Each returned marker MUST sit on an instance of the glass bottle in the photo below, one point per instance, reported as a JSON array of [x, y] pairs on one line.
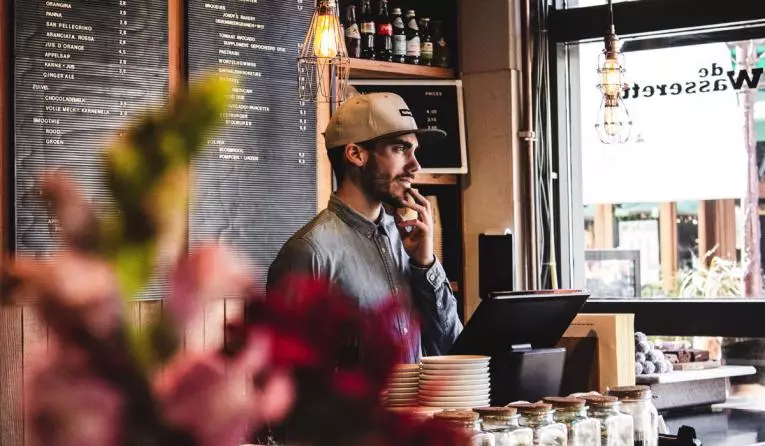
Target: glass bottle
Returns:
[[352, 32], [399, 37], [637, 401], [616, 428], [426, 43], [539, 417], [441, 56], [502, 422], [384, 36], [367, 30], [582, 430], [413, 47], [467, 421]]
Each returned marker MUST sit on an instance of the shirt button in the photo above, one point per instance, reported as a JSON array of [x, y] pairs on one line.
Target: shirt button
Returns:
[[406, 330], [383, 250], [432, 277], [439, 304]]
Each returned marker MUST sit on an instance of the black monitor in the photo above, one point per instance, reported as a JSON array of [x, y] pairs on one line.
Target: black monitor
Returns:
[[511, 318]]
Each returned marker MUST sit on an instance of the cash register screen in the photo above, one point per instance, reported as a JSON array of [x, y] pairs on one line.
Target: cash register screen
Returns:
[[507, 319]]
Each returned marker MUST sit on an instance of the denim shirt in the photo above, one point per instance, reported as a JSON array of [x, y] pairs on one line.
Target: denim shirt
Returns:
[[368, 261]]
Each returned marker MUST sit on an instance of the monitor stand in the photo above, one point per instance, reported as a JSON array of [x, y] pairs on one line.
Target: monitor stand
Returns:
[[526, 374]]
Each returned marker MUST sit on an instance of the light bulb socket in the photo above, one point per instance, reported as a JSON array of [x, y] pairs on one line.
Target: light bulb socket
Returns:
[[326, 7]]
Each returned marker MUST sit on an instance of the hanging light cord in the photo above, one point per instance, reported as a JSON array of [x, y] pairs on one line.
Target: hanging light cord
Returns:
[[610, 14]]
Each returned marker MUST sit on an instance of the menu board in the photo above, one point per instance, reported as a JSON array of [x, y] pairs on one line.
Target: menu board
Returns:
[[434, 104], [255, 184], [82, 70]]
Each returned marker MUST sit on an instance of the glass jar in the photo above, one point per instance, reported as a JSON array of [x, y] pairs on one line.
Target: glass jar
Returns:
[[616, 428], [502, 422], [637, 401], [467, 422], [539, 417], [582, 430]]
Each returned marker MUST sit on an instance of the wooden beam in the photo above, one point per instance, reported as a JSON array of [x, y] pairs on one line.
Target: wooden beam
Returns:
[[603, 226], [323, 166], [435, 179], [175, 41], [668, 245], [717, 228], [372, 69]]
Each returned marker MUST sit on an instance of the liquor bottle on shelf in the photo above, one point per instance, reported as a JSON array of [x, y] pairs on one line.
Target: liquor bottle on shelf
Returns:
[[367, 30], [399, 37], [426, 43], [384, 37], [441, 55], [352, 32], [413, 48]]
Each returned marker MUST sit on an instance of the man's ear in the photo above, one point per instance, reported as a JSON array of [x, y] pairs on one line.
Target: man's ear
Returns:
[[356, 155]]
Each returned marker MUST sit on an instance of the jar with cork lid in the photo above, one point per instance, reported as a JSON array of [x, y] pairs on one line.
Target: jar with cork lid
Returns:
[[539, 417], [637, 401], [582, 430], [468, 423], [616, 428], [502, 422]]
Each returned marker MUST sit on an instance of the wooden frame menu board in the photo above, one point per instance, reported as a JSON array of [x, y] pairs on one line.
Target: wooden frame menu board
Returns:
[[81, 71], [255, 185], [434, 104]]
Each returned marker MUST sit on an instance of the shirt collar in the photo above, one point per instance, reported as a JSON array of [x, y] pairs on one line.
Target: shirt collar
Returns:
[[357, 221]]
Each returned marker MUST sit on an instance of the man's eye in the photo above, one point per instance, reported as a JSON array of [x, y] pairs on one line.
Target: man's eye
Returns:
[[400, 149]]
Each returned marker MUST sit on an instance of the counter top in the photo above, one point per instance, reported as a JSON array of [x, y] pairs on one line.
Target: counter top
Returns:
[[722, 426]]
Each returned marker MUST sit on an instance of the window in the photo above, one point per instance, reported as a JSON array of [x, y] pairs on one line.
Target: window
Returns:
[[563, 4], [676, 193], [639, 219]]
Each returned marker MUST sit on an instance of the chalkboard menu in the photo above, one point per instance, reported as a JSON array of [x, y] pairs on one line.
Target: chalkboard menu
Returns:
[[434, 104], [255, 184], [82, 70]]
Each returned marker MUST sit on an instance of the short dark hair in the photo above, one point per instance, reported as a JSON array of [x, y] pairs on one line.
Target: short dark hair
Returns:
[[337, 158], [337, 161]]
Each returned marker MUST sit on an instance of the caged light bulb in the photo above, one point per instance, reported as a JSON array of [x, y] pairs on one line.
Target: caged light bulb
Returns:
[[614, 125], [611, 72], [326, 36]]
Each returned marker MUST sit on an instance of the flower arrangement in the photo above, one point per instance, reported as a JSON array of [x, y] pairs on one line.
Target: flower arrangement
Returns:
[[293, 362]]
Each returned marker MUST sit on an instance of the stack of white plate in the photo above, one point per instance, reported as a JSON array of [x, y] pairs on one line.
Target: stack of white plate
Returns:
[[454, 382], [401, 388]]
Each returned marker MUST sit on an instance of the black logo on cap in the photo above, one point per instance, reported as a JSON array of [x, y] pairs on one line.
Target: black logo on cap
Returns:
[[406, 112]]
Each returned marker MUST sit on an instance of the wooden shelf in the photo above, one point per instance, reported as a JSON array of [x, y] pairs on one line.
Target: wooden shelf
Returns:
[[435, 179], [372, 69]]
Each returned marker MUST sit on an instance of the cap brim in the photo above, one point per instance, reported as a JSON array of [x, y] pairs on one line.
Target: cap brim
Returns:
[[423, 135]]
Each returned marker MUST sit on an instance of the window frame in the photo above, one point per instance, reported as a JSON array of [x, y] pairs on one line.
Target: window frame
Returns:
[[668, 317]]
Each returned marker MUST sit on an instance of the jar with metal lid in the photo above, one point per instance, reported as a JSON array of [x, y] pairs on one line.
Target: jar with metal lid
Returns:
[[502, 422], [637, 401], [616, 428], [467, 422], [582, 430], [539, 417]]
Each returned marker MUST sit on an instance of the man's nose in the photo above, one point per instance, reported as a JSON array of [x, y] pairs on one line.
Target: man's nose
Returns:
[[413, 165]]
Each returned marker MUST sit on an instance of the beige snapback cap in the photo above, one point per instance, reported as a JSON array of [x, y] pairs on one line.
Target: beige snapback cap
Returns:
[[373, 116]]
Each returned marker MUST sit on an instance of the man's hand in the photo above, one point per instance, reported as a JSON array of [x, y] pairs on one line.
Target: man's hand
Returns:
[[417, 235]]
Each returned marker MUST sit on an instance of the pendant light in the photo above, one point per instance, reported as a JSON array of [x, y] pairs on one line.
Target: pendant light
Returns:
[[614, 125], [323, 64]]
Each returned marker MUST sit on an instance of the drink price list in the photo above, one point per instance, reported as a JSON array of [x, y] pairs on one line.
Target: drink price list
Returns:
[[255, 184], [82, 70], [434, 104]]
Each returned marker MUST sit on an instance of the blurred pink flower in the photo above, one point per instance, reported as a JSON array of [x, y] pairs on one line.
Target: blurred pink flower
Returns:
[[67, 405], [77, 292], [213, 397], [210, 272]]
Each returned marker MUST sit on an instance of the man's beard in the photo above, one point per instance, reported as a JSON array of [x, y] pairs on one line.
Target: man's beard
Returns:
[[378, 186]]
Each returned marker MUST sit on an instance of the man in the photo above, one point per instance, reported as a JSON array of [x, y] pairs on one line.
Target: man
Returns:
[[356, 244]]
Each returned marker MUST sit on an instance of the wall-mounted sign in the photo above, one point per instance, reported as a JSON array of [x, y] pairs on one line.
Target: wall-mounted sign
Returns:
[[434, 104]]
